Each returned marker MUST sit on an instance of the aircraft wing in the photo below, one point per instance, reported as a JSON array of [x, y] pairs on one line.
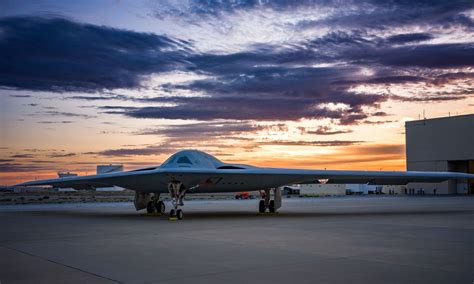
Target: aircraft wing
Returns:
[[257, 178], [132, 180]]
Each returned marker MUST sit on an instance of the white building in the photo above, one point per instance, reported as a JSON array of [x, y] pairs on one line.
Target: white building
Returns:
[[320, 189], [394, 189], [362, 188], [106, 169]]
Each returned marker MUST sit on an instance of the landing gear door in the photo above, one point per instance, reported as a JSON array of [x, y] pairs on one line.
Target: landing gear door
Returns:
[[277, 197]]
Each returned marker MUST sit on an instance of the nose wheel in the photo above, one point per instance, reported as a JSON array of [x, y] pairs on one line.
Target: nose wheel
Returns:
[[177, 192], [178, 214]]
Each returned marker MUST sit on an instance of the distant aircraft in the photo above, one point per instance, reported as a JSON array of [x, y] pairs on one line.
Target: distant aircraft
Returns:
[[193, 171]]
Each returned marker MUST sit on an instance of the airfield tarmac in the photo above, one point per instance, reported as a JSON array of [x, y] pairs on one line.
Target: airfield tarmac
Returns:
[[366, 239]]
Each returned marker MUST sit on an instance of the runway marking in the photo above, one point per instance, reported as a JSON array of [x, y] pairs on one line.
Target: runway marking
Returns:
[[62, 264]]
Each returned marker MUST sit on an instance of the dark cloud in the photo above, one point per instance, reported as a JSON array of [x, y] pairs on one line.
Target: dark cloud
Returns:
[[352, 119], [449, 77], [360, 49], [427, 76], [6, 160], [103, 97], [377, 122], [330, 143], [422, 99], [244, 92], [34, 150], [252, 82], [22, 156], [36, 161], [327, 130], [171, 146], [144, 151], [408, 38], [54, 54], [395, 79], [61, 155], [383, 15], [263, 82], [15, 167], [54, 122], [428, 56], [66, 114], [248, 107], [206, 130]]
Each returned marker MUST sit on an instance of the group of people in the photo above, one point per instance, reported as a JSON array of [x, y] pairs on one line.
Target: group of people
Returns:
[[420, 191]]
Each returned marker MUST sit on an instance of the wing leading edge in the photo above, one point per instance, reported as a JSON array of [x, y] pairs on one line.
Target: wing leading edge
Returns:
[[257, 178]]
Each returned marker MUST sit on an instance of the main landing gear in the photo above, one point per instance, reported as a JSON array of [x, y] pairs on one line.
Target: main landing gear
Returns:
[[177, 192], [271, 204], [155, 205]]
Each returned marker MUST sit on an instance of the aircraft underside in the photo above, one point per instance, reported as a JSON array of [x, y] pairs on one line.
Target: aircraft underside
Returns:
[[177, 191]]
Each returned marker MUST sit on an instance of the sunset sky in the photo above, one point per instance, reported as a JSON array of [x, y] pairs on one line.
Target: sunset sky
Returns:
[[317, 84]]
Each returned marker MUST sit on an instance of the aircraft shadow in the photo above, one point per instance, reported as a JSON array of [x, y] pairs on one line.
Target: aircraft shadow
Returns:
[[208, 215]]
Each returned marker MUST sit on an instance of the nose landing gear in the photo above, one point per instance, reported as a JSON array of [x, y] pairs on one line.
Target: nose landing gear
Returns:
[[177, 192]]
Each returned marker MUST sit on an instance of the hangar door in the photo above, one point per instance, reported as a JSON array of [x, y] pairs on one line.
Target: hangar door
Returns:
[[467, 166], [471, 181]]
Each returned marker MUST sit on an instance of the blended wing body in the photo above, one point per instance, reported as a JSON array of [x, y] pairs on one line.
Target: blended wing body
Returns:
[[201, 172]]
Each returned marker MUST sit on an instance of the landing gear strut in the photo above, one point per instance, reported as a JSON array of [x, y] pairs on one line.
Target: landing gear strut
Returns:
[[177, 192], [273, 204], [155, 205]]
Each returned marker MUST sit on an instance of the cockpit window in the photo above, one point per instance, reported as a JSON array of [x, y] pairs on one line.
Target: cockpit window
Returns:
[[191, 159], [183, 160]]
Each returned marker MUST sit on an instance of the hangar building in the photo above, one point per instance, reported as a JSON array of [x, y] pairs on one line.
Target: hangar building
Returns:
[[441, 144]]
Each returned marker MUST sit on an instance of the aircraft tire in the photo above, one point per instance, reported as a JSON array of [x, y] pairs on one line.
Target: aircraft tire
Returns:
[[150, 207], [271, 206], [160, 207], [179, 214]]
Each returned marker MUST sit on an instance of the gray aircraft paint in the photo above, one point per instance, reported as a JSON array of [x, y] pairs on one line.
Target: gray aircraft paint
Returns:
[[201, 172]]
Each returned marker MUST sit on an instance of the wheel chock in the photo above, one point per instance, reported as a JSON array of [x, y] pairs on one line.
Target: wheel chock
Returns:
[[151, 214], [173, 218]]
